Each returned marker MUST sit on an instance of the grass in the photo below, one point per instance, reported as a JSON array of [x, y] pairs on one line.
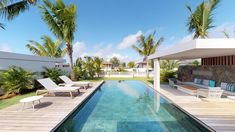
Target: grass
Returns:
[[13, 100]]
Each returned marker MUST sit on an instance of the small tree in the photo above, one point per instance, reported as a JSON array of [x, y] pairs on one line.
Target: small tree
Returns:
[[131, 64], [16, 79], [98, 65], [115, 62]]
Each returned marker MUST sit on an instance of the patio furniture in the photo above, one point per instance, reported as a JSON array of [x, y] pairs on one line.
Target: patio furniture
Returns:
[[215, 92], [172, 82], [53, 88], [31, 99], [231, 97], [229, 88], [201, 83], [69, 82], [187, 89]]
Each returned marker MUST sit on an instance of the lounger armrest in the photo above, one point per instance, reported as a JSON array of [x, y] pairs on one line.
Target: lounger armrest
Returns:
[[62, 84]]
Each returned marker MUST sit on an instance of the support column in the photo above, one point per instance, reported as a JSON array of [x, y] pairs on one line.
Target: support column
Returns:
[[156, 82]]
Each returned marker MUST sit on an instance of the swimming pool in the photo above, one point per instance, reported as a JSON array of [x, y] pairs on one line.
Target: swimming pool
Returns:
[[129, 106]]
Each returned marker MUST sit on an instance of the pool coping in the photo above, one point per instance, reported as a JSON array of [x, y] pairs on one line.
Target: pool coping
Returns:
[[183, 110], [77, 106]]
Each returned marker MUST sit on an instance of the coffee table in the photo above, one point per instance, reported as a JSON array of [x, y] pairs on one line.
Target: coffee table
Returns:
[[31, 99], [187, 89]]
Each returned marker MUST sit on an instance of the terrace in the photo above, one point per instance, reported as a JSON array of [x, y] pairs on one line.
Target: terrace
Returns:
[[217, 113]]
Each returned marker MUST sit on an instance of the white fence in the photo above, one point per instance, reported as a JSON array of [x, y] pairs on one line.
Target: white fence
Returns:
[[126, 74]]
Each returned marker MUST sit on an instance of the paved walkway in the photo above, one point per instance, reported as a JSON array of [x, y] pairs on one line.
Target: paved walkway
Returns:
[[51, 112], [218, 114]]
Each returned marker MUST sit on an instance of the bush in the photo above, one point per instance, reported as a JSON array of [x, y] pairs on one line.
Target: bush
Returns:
[[16, 79], [53, 73], [165, 74]]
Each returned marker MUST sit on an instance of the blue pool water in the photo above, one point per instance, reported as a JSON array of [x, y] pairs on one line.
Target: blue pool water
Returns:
[[129, 106]]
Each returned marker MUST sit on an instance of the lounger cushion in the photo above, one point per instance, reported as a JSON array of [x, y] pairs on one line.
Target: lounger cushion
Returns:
[[212, 83], [195, 80]]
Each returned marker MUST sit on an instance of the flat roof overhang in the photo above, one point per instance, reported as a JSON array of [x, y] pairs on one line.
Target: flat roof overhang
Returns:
[[198, 48]]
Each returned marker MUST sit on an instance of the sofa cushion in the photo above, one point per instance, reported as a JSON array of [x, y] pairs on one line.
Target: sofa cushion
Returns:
[[199, 81], [195, 80], [212, 83], [223, 85], [206, 82]]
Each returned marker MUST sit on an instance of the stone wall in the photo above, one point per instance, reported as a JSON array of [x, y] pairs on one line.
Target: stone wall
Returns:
[[219, 73]]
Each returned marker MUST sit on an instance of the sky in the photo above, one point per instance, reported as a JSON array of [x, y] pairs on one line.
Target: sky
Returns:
[[108, 28]]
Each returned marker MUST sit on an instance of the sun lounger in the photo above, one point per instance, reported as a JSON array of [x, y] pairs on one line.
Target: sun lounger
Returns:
[[69, 82], [53, 88]]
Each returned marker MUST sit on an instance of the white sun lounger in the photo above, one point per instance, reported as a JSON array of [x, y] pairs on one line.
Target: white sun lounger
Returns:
[[69, 82], [54, 88]]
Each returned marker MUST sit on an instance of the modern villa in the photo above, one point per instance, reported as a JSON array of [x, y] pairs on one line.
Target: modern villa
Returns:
[[185, 83]]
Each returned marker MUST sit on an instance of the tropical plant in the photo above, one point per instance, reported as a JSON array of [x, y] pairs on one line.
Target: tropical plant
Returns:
[[131, 64], [147, 46], [61, 19], [16, 79], [49, 47], [169, 65], [89, 66], [52, 73], [9, 9], [98, 65], [195, 63], [200, 21], [115, 62], [168, 69]]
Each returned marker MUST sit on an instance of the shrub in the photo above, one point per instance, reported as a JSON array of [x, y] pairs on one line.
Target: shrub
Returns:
[[53, 73], [165, 74], [16, 79]]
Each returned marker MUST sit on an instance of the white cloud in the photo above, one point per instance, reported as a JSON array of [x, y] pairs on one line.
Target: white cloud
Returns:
[[78, 51], [129, 40], [5, 47], [217, 32]]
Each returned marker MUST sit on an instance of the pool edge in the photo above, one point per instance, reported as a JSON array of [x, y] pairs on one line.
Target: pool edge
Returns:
[[186, 112], [77, 106]]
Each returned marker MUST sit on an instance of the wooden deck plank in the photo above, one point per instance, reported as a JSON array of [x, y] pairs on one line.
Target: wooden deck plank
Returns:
[[46, 116], [217, 114]]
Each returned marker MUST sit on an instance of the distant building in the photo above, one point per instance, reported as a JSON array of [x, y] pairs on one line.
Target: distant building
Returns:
[[141, 66], [107, 66], [30, 62]]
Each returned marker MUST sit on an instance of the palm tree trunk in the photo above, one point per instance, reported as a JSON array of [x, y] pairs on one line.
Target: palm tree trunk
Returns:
[[70, 53], [147, 67]]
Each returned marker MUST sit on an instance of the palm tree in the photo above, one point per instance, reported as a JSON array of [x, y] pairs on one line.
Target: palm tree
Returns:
[[200, 21], [49, 47], [9, 9], [61, 19], [98, 65], [147, 46], [169, 65]]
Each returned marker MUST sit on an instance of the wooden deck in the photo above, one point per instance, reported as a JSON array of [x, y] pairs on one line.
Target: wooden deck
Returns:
[[47, 115], [218, 114]]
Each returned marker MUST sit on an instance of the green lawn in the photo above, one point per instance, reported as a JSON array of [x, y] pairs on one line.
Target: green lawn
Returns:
[[14, 100]]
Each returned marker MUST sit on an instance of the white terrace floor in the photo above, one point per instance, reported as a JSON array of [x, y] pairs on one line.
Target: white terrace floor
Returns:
[[218, 114], [46, 116]]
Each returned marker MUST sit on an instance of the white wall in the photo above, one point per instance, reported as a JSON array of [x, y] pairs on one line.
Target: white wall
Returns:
[[28, 62]]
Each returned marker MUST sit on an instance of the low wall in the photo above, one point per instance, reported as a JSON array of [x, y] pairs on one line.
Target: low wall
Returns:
[[219, 73]]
